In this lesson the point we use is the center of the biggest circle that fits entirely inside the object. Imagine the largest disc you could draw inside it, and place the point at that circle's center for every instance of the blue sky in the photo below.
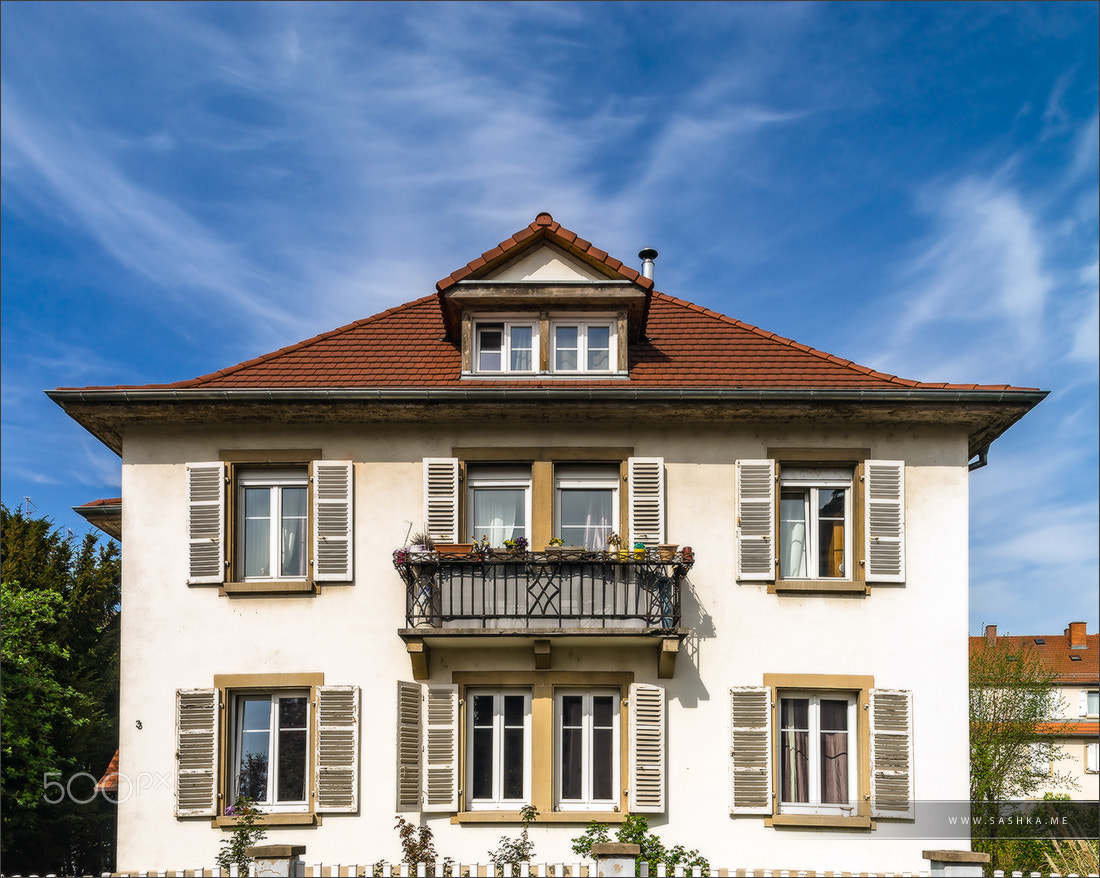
(911, 186)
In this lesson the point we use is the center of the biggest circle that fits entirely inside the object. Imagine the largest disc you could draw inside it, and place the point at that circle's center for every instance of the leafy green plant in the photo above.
(244, 835)
(417, 844)
(1076, 856)
(635, 830)
(513, 851)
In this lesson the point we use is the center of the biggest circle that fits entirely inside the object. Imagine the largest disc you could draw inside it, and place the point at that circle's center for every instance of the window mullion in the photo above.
(273, 751)
(586, 747)
(276, 529)
(814, 747)
(498, 746)
(813, 528)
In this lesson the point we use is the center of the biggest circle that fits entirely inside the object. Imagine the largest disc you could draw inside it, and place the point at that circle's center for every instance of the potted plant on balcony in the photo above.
(614, 552)
(420, 544)
(667, 551)
(517, 546)
(453, 548)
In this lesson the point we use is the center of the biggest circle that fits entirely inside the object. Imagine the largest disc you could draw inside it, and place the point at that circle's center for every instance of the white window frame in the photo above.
(1092, 757)
(497, 801)
(587, 801)
(815, 805)
(567, 478)
(237, 700)
(1093, 696)
(812, 480)
(274, 480)
(507, 325)
(583, 326)
(491, 476)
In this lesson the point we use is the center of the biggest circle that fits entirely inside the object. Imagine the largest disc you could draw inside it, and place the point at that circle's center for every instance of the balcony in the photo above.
(541, 596)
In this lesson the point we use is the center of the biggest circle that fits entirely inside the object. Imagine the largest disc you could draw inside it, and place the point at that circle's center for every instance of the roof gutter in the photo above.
(115, 396)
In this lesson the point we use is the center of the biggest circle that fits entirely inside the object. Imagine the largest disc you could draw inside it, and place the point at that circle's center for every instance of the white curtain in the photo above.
(792, 537)
(496, 513)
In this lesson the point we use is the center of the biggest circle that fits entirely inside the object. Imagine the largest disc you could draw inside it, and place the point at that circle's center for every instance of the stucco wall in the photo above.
(910, 636)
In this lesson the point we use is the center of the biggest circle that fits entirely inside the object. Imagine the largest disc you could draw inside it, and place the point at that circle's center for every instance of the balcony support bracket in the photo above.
(542, 655)
(666, 657)
(418, 654)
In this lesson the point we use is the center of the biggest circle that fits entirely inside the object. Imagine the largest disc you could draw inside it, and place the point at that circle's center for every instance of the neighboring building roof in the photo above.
(104, 514)
(1073, 655)
(1070, 728)
(108, 783)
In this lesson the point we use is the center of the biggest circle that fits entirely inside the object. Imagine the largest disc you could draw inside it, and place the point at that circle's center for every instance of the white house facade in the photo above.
(770, 663)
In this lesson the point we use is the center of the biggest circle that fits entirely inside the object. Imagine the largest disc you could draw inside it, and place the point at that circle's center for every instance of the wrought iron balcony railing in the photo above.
(639, 590)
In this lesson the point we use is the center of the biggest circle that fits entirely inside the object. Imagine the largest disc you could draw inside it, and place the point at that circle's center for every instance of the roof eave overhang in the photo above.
(984, 413)
(532, 296)
(106, 517)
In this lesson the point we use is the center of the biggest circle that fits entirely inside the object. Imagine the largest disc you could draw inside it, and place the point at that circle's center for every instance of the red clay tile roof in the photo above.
(92, 504)
(1055, 652)
(109, 782)
(1070, 727)
(686, 346)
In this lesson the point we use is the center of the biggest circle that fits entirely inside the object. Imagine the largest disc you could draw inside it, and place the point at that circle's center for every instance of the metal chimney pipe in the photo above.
(647, 256)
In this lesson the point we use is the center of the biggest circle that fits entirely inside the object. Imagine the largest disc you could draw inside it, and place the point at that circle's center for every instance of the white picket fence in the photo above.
(527, 870)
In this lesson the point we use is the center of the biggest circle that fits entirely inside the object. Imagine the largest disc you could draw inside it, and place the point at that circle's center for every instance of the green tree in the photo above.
(58, 696)
(1012, 693)
(635, 830)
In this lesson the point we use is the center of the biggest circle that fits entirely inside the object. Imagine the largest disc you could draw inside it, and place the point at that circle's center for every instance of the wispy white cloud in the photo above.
(972, 301)
(149, 234)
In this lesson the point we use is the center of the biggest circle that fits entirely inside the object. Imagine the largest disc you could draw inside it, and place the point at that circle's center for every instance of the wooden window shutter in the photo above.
(206, 522)
(647, 749)
(336, 763)
(756, 520)
(332, 520)
(750, 750)
(1082, 702)
(440, 713)
(441, 498)
(646, 479)
(409, 757)
(884, 520)
(196, 752)
(891, 753)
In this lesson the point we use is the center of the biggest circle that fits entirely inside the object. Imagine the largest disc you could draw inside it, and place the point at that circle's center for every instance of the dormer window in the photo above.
(566, 345)
(506, 346)
(583, 346)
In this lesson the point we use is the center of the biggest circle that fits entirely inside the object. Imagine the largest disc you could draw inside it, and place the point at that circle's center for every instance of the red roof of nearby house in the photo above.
(1073, 655)
(109, 782)
(94, 504)
(1070, 728)
(685, 346)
